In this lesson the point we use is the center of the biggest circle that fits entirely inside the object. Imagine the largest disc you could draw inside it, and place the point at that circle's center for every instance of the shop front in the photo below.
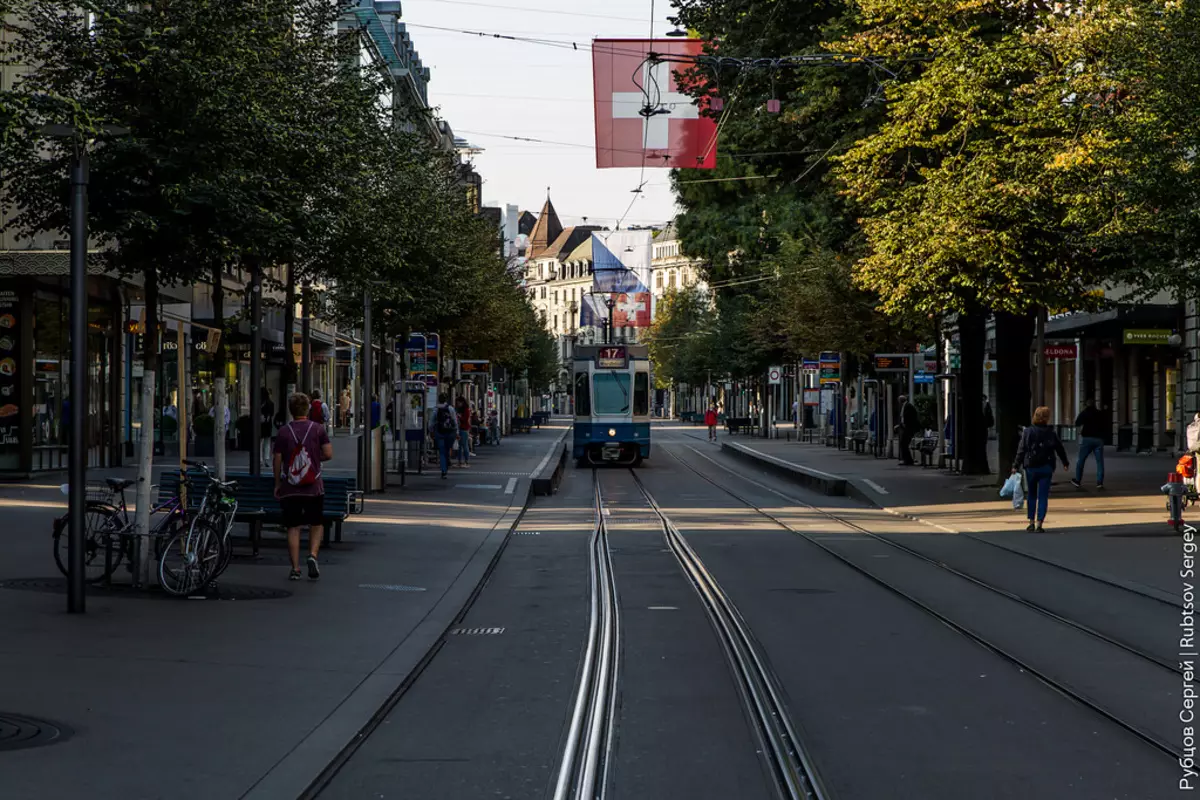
(35, 374)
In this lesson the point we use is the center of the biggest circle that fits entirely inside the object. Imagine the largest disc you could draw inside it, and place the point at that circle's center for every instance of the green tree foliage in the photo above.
(779, 216)
(680, 339)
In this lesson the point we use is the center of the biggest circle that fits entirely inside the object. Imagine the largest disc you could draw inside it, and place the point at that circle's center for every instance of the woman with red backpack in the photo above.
(300, 447)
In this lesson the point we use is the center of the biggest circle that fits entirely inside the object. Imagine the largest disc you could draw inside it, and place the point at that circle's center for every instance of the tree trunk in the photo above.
(970, 435)
(1014, 338)
(150, 340)
(289, 338)
(220, 399)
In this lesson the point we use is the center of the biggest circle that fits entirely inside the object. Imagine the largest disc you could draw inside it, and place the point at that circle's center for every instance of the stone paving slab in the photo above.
(204, 699)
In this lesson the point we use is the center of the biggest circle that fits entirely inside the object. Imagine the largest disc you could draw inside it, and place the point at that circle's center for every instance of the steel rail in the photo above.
(1055, 684)
(791, 764)
(583, 769)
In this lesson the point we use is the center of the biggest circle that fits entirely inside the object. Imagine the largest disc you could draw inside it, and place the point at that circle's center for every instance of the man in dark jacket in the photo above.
(910, 423)
(1090, 424)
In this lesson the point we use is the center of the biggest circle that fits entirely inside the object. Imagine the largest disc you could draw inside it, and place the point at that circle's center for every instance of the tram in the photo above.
(612, 404)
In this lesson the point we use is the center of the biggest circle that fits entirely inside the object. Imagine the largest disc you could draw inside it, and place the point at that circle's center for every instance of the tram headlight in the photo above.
(612, 432)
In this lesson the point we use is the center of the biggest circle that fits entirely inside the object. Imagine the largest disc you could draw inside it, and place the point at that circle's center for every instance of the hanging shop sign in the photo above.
(1057, 352)
(1146, 336)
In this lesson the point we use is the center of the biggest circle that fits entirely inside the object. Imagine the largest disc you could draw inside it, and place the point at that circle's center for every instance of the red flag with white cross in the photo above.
(642, 118)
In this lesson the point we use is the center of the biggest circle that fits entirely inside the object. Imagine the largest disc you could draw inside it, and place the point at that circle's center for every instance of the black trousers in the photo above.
(906, 438)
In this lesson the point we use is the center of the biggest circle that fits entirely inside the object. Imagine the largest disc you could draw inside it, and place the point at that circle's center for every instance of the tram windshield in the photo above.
(611, 392)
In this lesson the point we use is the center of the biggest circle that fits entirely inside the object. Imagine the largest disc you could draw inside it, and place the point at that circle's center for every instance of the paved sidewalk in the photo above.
(1120, 533)
(249, 697)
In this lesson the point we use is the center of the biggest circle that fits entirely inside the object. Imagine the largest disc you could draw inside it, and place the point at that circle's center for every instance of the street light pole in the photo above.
(368, 432)
(256, 391)
(76, 458)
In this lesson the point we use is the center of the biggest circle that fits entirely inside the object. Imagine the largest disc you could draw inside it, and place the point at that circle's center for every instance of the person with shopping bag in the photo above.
(1036, 455)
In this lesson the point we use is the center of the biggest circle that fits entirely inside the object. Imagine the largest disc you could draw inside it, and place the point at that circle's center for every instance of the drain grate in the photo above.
(476, 631)
(18, 732)
(391, 587)
(223, 591)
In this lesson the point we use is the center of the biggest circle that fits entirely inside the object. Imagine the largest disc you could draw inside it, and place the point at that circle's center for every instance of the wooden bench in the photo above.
(541, 418)
(522, 424)
(688, 416)
(739, 424)
(257, 504)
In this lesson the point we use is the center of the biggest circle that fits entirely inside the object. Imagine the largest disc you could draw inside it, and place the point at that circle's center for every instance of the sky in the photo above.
(487, 88)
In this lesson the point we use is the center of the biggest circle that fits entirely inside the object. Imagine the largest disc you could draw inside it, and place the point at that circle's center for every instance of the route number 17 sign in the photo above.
(612, 357)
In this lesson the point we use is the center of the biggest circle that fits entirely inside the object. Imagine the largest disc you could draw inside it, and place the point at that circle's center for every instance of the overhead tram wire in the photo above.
(526, 8)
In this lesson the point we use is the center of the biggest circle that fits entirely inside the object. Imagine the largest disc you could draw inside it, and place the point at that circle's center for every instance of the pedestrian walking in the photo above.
(444, 427)
(300, 448)
(266, 425)
(346, 404)
(463, 409)
(710, 419)
(910, 423)
(376, 412)
(316, 409)
(989, 419)
(1090, 424)
(1039, 445)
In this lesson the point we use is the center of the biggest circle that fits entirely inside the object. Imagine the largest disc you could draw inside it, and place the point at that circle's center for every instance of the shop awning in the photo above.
(1110, 323)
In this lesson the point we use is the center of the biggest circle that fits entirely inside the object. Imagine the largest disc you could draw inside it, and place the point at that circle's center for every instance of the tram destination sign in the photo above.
(893, 363)
(613, 356)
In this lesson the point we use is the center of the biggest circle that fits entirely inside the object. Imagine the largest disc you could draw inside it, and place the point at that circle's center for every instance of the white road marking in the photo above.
(875, 486)
(480, 486)
(512, 485)
(662, 608)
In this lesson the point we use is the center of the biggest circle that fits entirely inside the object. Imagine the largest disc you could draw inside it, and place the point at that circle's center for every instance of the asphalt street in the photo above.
(910, 662)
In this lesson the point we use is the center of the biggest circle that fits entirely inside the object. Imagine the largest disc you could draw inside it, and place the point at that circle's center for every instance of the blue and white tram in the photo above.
(612, 404)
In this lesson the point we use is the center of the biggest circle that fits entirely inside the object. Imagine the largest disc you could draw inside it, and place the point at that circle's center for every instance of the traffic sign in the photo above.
(831, 367)
(775, 375)
(810, 363)
(923, 377)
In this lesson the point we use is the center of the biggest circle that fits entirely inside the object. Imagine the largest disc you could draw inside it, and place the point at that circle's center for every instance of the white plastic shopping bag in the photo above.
(1011, 485)
(1019, 493)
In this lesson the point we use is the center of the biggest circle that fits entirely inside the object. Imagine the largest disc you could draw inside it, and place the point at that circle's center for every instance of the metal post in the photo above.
(367, 381)
(306, 378)
(1039, 392)
(256, 388)
(76, 457)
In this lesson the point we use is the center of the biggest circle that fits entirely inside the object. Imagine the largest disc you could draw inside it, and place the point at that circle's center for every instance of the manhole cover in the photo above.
(18, 732)
(223, 591)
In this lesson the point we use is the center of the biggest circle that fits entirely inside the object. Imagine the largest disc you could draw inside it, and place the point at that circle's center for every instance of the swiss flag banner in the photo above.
(642, 119)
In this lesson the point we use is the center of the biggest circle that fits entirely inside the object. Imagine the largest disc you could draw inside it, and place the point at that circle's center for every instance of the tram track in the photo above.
(1058, 685)
(583, 770)
(787, 760)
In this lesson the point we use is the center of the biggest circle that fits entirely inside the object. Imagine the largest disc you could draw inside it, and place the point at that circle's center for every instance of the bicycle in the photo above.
(194, 559)
(109, 533)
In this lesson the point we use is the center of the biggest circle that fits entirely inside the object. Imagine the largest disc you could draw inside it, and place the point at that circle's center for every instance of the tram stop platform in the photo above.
(1119, 532)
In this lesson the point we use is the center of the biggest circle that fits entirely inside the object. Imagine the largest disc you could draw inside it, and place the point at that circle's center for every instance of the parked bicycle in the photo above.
(193, 559)
(109, 535)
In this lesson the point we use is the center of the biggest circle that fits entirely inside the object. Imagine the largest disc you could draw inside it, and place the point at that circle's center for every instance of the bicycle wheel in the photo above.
(100, 522)
(189, 560)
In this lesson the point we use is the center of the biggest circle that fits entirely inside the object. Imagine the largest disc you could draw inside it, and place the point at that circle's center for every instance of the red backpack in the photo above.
(316, 412)
(301, 471)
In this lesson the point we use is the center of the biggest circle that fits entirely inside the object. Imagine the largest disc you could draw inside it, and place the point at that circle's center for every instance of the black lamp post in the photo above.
(76, 457)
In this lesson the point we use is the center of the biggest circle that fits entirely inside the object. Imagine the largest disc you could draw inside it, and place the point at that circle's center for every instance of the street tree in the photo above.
(995, 182)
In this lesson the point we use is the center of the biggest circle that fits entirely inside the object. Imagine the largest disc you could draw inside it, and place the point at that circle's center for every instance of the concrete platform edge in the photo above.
(293, 774)
(831, 485)
(856, 490)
